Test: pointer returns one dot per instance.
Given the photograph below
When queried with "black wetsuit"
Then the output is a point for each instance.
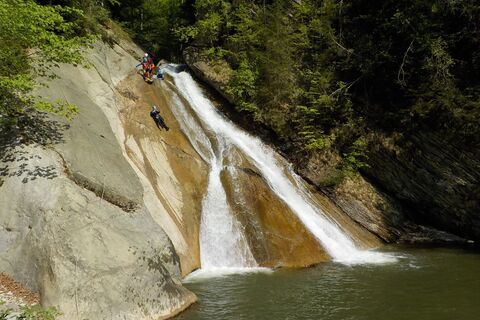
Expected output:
(155, 114)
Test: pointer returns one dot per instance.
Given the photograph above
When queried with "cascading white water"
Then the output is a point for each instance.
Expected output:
(339, 246)
(223, 246)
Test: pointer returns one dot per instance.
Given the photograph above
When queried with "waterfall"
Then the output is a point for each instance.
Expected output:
(223, 246)
(222, 242)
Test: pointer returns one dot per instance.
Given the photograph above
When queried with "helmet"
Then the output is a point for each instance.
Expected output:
(145, 55)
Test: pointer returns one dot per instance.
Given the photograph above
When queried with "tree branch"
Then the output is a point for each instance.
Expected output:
(401, 71)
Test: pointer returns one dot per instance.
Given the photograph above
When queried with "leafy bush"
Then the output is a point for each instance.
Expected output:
(33, 39)
(35, 312)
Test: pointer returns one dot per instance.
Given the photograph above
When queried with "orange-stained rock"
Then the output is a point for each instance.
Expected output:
(275, 235)
(173, 168)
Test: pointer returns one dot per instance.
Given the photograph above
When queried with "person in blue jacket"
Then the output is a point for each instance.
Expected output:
(155, 114)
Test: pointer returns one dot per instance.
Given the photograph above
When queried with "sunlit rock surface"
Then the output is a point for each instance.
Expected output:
(79, 222)
(174, 174)
(275, 234)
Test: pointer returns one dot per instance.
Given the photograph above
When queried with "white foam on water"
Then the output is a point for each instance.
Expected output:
(223, 245)
(202, 274)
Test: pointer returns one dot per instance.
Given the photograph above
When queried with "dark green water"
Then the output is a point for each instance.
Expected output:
(424, 284)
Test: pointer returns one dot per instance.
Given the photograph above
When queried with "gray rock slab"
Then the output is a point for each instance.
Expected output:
(89, 147)
(86, 256)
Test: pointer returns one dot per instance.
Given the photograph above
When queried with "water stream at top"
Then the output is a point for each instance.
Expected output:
(222, 242)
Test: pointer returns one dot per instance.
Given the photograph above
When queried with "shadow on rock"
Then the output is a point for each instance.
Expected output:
(32, 128)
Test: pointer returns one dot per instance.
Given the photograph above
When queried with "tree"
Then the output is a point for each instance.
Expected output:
(152, 23)
(33, 39)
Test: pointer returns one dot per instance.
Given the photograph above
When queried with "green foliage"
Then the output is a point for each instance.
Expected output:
(60, 107)
(323, 74)
(211, 18)
(356, 157)
(33, 39)
(246, 27)
(242, 87)
(438, 63)
(154, 24)
(95, 17)
(35, 312)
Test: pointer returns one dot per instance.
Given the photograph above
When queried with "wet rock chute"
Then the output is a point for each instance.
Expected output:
(223, 243)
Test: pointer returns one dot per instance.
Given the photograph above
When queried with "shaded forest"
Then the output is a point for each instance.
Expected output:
(322, 74)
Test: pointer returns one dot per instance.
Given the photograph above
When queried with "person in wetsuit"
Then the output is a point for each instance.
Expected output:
(155, 114)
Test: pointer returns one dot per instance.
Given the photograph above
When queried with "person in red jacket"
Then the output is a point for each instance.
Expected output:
(147, 66)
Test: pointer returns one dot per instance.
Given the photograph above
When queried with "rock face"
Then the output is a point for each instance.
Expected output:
(216, 73)
(80, 222)
(372, 209)
(175, 177)
(164, 172)
(359, 199)
(83, 254)
(437, 179)
(377, 206)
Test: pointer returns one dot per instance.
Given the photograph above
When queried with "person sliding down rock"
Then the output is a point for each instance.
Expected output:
(155, 114)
